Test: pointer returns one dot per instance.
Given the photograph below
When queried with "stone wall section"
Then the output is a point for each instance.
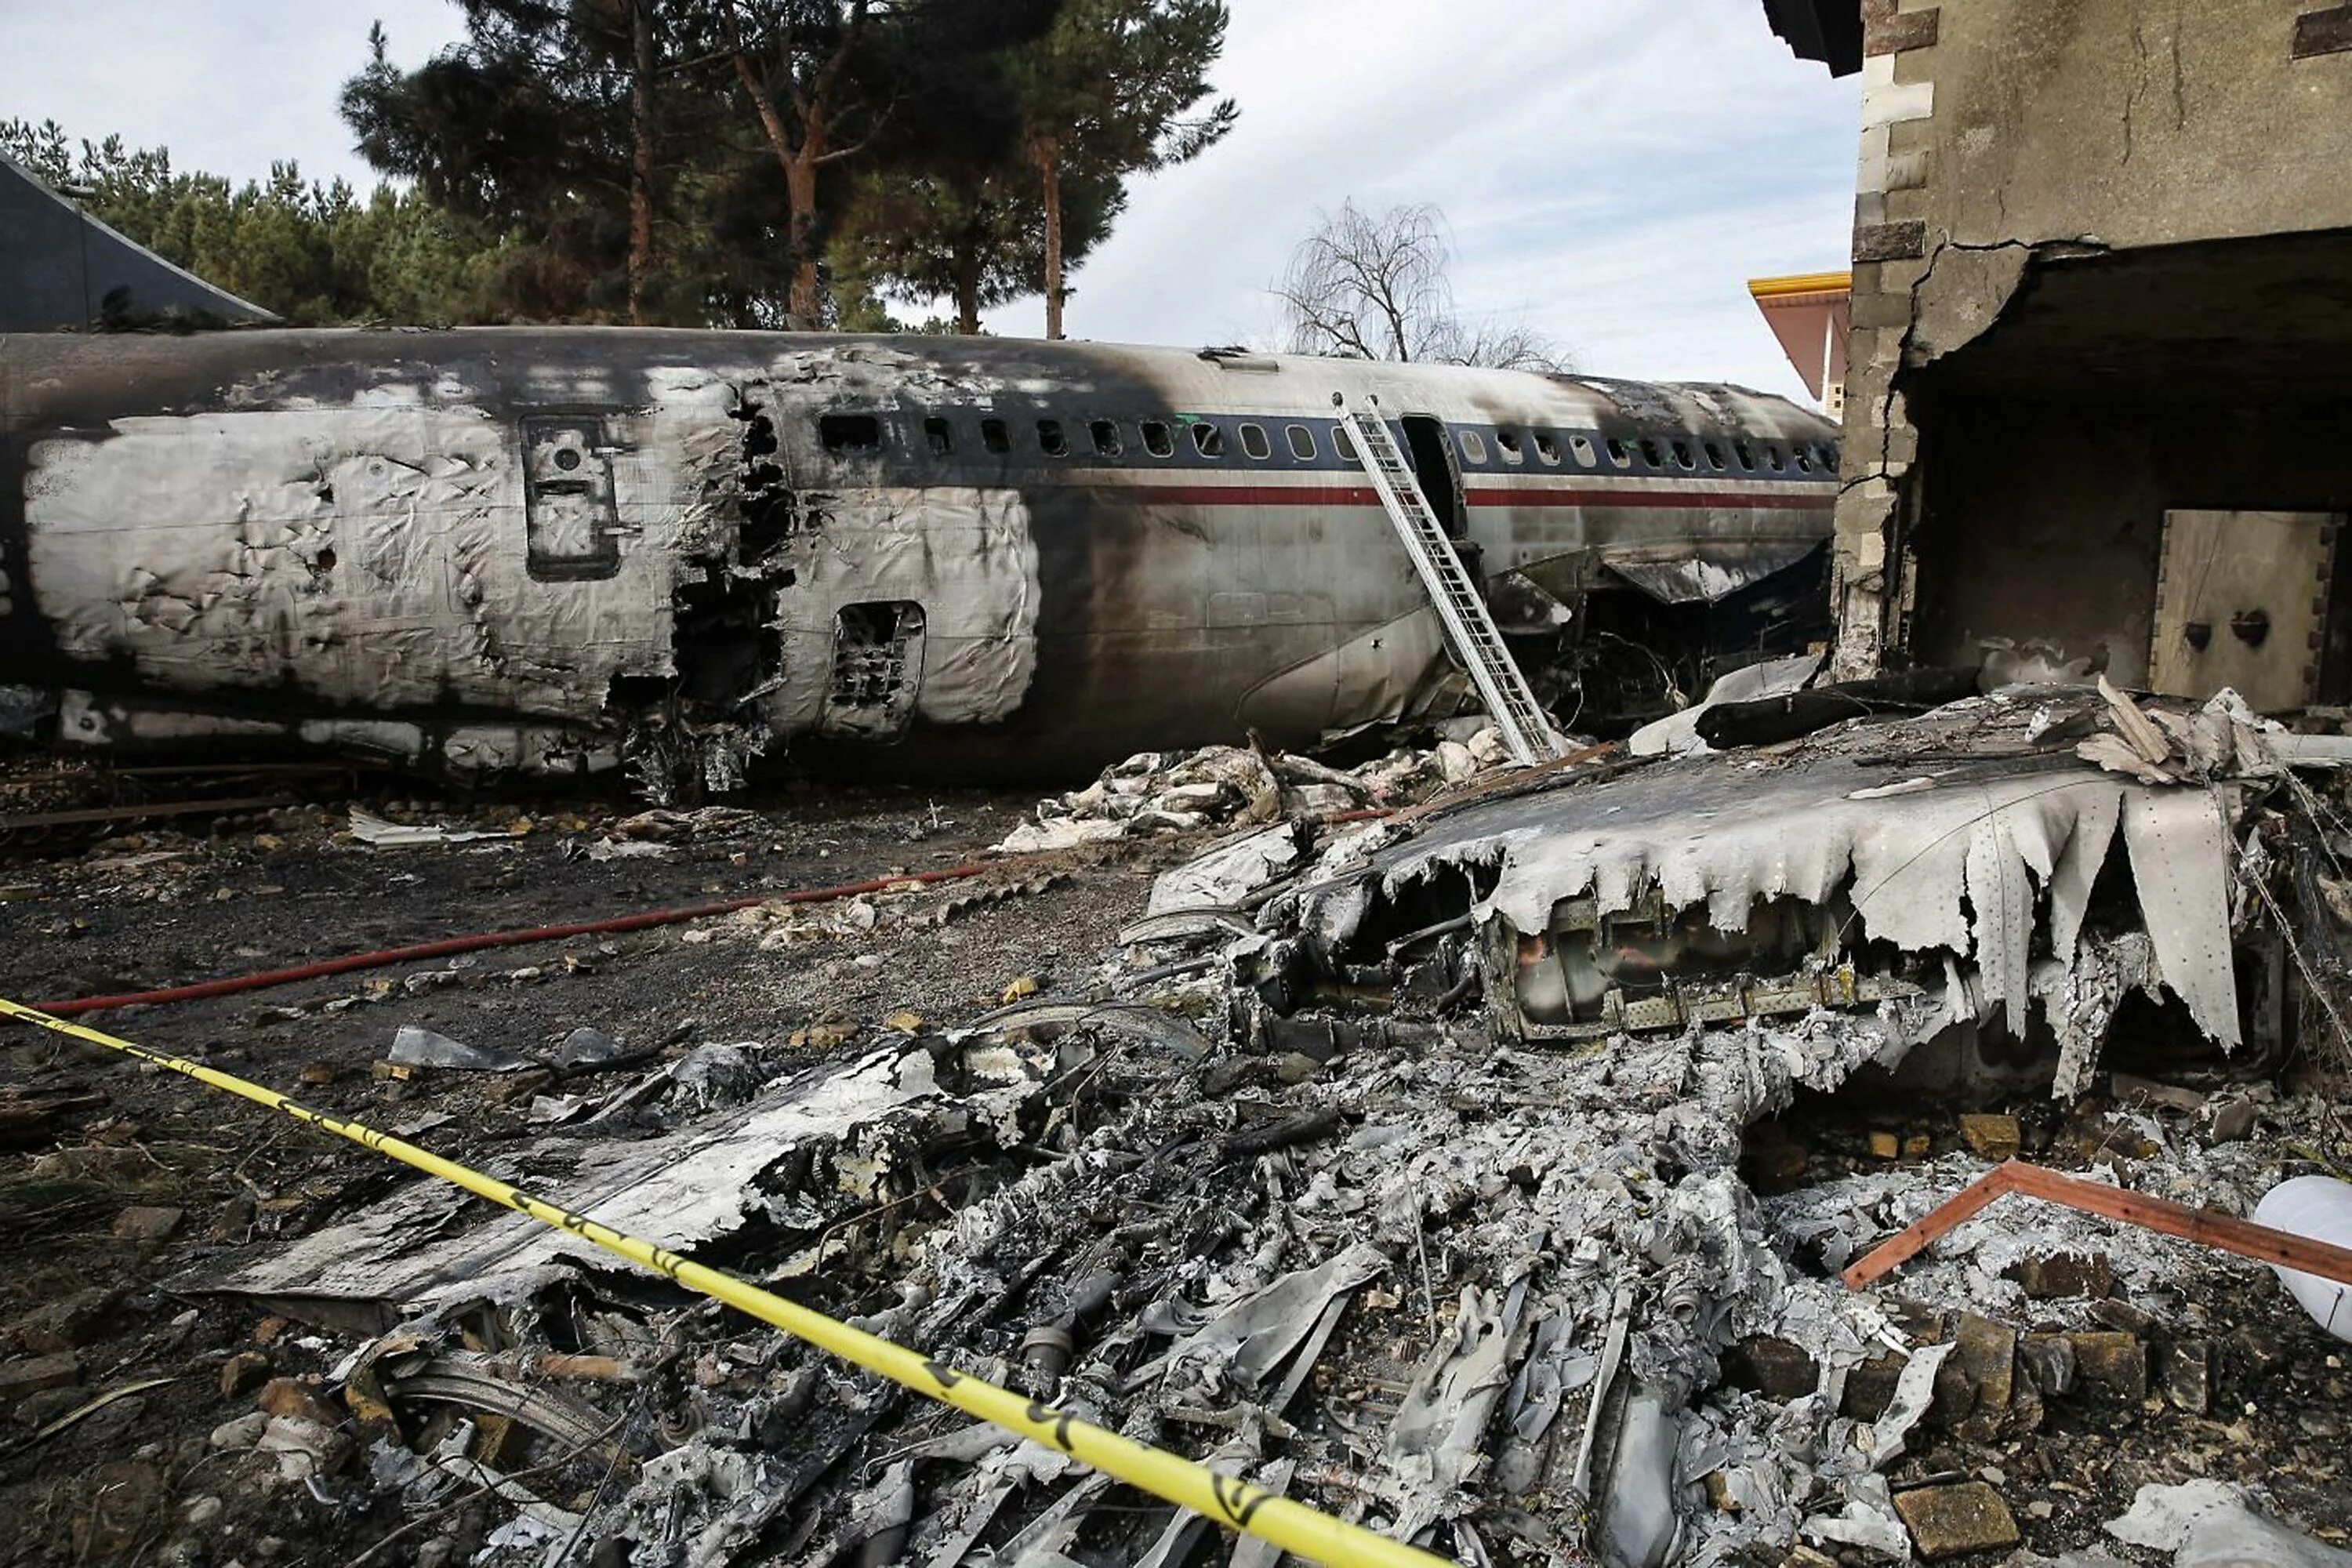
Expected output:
(1890, 232)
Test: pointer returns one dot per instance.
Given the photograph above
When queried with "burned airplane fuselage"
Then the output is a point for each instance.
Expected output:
(552, 548)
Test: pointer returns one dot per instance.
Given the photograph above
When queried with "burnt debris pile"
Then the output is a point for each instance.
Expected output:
(1471, 1153)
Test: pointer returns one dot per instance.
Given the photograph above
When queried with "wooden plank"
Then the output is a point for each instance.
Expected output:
(1913, 1240)
(2206, 1227)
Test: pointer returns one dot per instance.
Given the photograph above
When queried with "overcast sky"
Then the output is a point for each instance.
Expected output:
(1612, 171)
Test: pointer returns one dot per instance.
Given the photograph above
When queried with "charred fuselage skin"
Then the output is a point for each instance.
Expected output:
(548, 550)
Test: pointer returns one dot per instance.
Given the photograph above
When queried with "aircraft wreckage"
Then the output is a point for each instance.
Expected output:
(570, 551)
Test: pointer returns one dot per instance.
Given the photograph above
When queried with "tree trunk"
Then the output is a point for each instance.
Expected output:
(808, 296)
(967, 290)
(641, 164)
(1049, 164)
(804, 311)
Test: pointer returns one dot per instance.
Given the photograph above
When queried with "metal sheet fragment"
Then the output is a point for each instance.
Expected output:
(2179, 844)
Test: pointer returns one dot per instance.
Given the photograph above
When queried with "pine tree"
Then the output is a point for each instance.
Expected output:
(1108, 92)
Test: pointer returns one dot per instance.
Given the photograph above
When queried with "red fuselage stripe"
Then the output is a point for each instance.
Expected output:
(1363, 494)
(1738, 501)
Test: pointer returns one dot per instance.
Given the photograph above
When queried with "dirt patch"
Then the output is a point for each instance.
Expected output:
(114, 1178)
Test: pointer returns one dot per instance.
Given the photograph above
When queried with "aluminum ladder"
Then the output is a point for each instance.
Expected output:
(1509, 700)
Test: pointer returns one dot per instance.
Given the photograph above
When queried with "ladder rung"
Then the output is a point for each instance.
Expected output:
(1501, 684)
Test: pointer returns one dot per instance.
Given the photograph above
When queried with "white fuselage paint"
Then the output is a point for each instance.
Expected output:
(368, 556)
(375, 556)
(530, 548)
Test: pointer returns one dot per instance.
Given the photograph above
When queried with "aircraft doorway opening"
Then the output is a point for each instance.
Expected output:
(1431, 452)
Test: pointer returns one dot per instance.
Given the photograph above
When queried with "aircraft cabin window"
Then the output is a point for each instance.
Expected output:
(1747, 459)
(1804, 456)
(994, 437)
(1583, 448)
(1652, 453)
(1828, 456)
(1254, 443)
(1618, 455)
(1208, 439)
(1342, 444)
(1302, 443)
(1051, 437)
(1156, 439)
(1714, 454)
(1682, 451)
(1507, 443)
(850, 432)
(941, 436)
(1772, 456)
(1472, 446)
(1105, 433)
(1547, 449)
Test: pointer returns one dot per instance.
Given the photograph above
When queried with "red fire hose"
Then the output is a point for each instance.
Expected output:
(449, 946)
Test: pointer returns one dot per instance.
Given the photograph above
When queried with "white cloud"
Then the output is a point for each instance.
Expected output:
(229, 85)
(1612, 171)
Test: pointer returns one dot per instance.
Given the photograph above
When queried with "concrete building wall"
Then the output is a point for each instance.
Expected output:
(2002, 141)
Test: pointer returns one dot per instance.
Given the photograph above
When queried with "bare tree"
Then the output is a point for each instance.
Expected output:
(1366, 286)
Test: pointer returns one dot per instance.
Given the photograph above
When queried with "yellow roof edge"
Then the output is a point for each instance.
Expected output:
(1800, 283)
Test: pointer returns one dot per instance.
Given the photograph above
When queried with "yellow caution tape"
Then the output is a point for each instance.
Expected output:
(1253, 1509)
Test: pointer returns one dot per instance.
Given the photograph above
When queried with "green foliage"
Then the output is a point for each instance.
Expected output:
(1110, 91)
(974, 236)
(679, 162)
(315, 254)
(525, 127)
(1117, 84)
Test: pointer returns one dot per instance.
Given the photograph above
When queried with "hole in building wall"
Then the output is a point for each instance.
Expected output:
(2208, 377)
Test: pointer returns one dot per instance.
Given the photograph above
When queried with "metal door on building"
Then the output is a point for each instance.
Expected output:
(2241, 602)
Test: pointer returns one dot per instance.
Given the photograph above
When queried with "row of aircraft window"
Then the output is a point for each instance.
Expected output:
(857, 433)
